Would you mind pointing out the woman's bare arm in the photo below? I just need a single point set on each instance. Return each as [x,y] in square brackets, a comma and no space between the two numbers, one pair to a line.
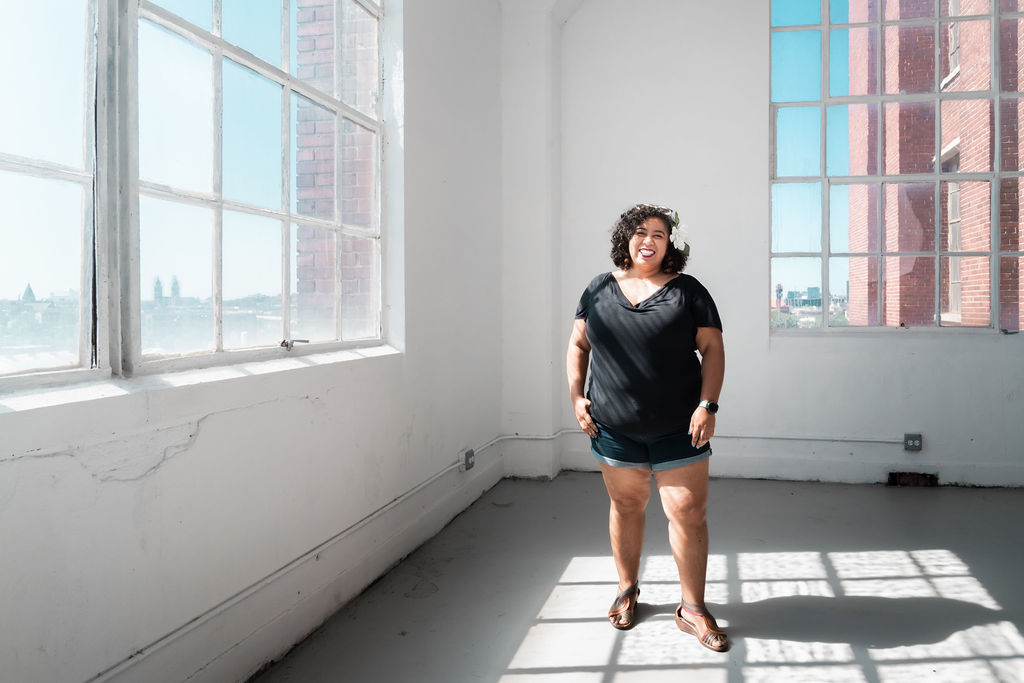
[712,370]
[577,358]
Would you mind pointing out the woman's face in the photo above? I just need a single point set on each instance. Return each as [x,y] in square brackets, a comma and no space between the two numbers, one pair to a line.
[649,244]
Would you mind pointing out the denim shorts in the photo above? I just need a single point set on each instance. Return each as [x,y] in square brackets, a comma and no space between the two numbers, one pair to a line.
[655,452]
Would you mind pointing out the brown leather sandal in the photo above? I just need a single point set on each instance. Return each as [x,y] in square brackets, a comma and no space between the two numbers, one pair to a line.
[624,605]
[714,638]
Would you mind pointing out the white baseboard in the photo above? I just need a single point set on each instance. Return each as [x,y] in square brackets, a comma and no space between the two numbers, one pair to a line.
[267,621]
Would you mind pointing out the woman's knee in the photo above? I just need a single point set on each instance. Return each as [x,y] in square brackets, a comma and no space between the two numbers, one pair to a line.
[684,508]
[629,502]
[631,499]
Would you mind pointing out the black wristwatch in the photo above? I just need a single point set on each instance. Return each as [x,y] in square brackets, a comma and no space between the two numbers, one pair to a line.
[709,406]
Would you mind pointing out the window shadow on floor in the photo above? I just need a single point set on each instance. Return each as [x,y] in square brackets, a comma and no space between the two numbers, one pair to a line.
[517,587]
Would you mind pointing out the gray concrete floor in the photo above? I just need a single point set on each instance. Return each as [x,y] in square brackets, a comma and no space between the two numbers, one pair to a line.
[815,582]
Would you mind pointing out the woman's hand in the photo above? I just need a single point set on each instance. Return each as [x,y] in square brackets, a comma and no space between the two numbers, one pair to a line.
[581,406]
[702,427]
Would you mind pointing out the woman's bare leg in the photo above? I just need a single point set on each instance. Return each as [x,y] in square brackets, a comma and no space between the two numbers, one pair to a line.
[629,490]
[684,497]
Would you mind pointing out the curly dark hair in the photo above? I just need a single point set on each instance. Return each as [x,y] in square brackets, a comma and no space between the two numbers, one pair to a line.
[629,221]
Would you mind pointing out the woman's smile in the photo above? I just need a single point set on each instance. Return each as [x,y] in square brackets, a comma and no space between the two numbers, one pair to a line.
[649,243]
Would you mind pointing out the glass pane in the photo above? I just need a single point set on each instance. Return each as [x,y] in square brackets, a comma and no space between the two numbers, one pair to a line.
[851,142]
[359,287]
[909,137]
[908,291]
[312,166]
[254,26]
[252,137]
[1011,5]
[1011,214]
[967,133]
[176,276]
[798,141]
[1011,293]
[853,11]
[853,291]
[252,281]
[358,176]
[43,51]
[796,217]
[175,110]
[851,57]
[359,77]
[909,9]
[1011,133]
[795,12]
[966,216]
[796,292]
[312,43]
[796,66]
[909,217]
[965,59]
[910,58]
[853,218]
[40,273]
[1011,55]
[964,291]
[198,12]
[314,253]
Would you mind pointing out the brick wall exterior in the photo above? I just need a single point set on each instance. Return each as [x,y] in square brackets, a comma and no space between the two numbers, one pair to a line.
[909,147]
[331,265]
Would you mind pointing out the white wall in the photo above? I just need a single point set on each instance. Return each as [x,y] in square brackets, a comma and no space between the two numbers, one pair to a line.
[668,102]
[159,528]
[199,524]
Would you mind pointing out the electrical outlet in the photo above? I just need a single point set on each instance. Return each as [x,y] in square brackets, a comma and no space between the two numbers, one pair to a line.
[912,442]
[468,459]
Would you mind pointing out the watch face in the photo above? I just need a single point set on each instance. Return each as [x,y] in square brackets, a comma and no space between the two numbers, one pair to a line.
[712,407]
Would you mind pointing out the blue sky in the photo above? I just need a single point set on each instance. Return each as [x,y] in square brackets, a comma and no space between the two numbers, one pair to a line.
[796,70]
[43,219]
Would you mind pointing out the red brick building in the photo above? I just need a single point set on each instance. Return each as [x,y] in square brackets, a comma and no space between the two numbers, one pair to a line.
[966,145]
[318,251]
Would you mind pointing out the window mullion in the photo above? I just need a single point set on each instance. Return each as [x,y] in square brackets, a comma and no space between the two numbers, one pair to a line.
[339,169]
[92,345]
[218,184]
[123,228]
[286,173]
[995,239]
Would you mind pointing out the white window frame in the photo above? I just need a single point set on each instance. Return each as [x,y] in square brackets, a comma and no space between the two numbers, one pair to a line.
[993,177]
[112,80]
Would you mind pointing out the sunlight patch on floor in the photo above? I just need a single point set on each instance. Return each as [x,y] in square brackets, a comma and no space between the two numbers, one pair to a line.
[572,639]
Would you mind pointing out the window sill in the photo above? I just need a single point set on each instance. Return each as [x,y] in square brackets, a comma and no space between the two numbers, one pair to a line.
[929,334]
[97,384]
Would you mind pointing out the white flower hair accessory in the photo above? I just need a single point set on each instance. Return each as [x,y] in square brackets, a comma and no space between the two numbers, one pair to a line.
[678,231]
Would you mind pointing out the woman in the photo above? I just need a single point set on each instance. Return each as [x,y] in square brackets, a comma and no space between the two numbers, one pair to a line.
[651,404]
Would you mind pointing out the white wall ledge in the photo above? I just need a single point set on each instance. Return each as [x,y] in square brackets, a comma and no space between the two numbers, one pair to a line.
[48,397]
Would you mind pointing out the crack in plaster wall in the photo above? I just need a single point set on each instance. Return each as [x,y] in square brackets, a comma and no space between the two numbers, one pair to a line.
[133,457]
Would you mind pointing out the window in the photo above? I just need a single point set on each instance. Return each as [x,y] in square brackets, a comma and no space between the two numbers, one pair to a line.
[896,165]
[257,179]
[47,154]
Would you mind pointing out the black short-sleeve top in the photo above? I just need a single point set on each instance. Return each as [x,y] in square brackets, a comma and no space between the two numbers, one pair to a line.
[644,373]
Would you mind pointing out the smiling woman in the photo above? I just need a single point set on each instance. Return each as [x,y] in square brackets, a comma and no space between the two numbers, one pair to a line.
[651,405]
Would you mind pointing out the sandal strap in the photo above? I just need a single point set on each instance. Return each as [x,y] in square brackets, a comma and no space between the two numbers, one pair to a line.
[710,625]
[625,601]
